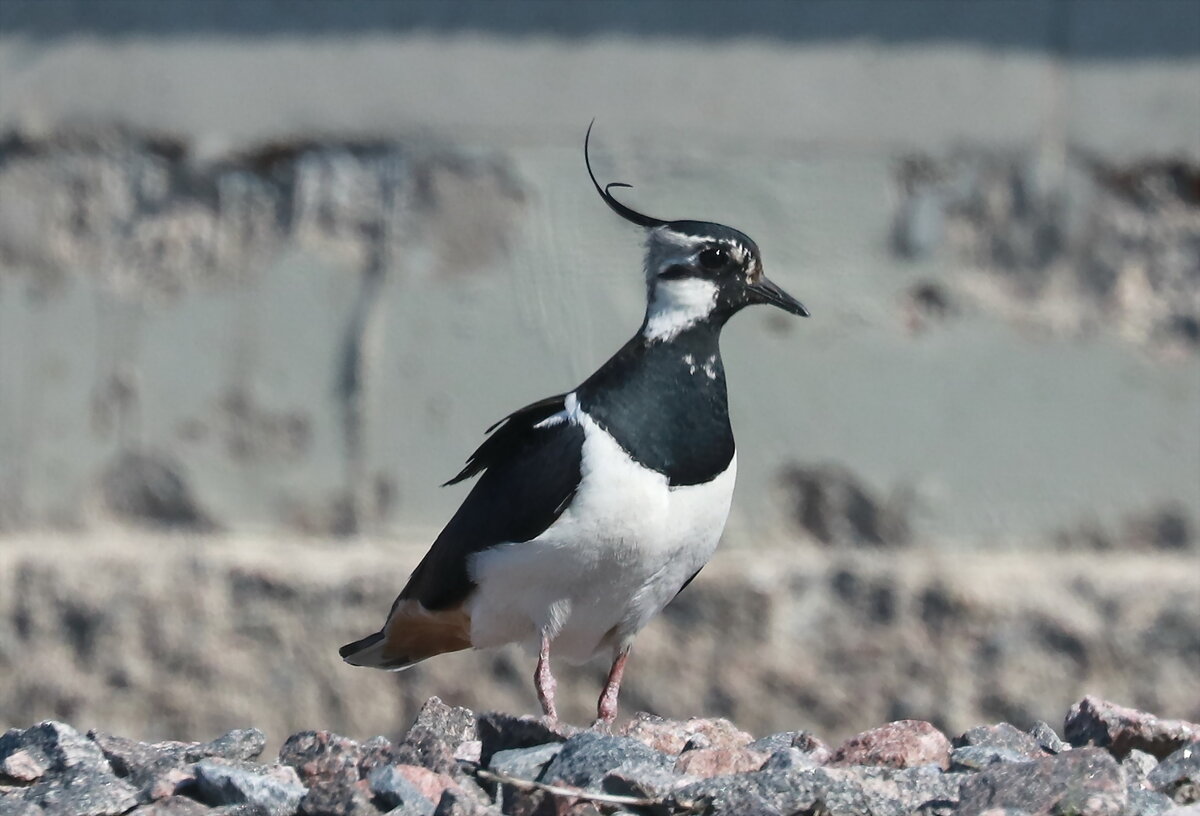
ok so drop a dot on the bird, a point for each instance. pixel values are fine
(596, 507)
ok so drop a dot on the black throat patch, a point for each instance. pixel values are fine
(666, 405)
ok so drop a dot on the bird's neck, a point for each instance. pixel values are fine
(665, 403)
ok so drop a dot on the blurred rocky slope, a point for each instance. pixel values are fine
(176, 637)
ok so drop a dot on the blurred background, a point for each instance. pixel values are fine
(267, 271)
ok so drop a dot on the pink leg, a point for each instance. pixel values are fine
(545, 682)
(606, 709)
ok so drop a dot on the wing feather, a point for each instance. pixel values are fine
(531, 470)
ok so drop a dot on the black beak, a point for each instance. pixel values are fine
(766, 291)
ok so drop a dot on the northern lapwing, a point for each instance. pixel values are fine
(596, 507)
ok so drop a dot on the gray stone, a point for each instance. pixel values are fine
(78, 779)
(638, 779)
(1137, 764)
(499, 732)
(174, 806)
(766, 792)
(145, 764)
(457, 803)
(393, 790)
(525, 763)
(1004, 736)
(1088, 780)
(790, 759)
(1048, 738)
(1144, 802)
(804, 741)
(884, 791)
(277, 791)
(586, 758)
(11, 804)
(1178, 776)
(978, 757)
(1093, 721)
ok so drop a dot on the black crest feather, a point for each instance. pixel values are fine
(620, 209)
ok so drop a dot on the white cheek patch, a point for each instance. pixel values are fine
(676, 304)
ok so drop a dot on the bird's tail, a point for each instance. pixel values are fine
(412, 634)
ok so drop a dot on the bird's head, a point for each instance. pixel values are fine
(696, 271)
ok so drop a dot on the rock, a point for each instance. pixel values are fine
(587, 757)
(524, 763)
(653, 783)
(1086, 781)
(885, 791)
(761, 793)
(430, 784)
(376, 753)
(790, 759)
(803, 741)
(1093, 721)
(457, 803)
(168, 783)
(275, 790)
(498, 732)
(1002, 736)
(21, 767)
(1149, 803)
(978, 757)
(1047, 738)
(174, 806)
(709, 762)
(436, 736)
(1178, 776)
(77, 779)
(469, 751)
(1137, 764)
(14, 805)
(673, 736)
(328, 765)
(156, 768)
(901, 744)
(392, 789)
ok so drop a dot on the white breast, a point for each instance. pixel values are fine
(615, 557)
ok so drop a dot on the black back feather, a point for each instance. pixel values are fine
(530, 475)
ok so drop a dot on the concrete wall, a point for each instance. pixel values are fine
(266, 270)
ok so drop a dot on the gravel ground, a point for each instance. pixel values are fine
(1109, 760)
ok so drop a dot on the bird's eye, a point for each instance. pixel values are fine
(714, 258)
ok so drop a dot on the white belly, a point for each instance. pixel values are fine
(615, 557)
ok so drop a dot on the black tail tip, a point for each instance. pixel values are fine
(358, 645)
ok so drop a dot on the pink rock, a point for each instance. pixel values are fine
(22, 766)
(670, 736)
(430, 783)
(709, 762)
(901, 744)
(166, 785)
(1093, 721)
